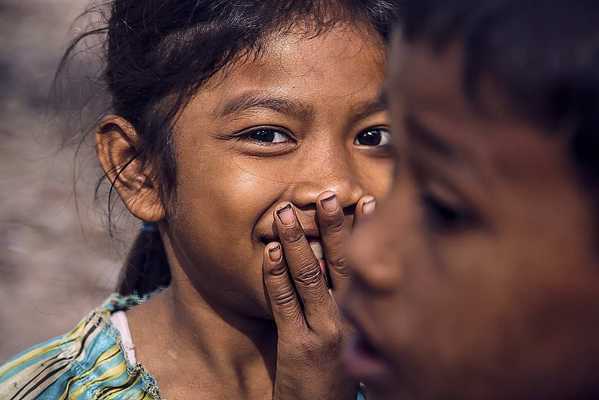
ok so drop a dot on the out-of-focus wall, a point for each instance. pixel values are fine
(55, 264)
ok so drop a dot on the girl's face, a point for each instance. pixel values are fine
(302, 118)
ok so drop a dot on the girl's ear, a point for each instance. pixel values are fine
(117, 146)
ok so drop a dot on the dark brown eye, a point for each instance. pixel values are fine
(270, 136)
(373, 137)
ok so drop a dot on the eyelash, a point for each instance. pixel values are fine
(247, 136)
(274, 131)
(382, 130)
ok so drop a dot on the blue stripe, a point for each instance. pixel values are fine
(91, 379)
(101, 343)
(35, 360)
(55, 390)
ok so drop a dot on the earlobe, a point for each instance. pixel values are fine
(118, 150)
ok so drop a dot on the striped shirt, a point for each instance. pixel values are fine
(88, 363)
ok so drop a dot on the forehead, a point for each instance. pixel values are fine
(429, 85)
(430, 79)
(320, 64)
(426, 86)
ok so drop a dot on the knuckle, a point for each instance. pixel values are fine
(335, 225)
(332, 341)
(309, 275)
(339, 264)
(309, 348)
(291, 235)
(284, 297)
(335, 335)
(323, 347)
(278, 269)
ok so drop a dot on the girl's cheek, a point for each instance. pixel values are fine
(377, 176)
(271, 171)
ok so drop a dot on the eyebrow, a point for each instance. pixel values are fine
(427, 138)
(384, 96)
(367, 108)
(280, 105)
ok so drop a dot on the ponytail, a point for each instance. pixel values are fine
(146, 268)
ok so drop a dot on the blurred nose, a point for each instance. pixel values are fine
(375, 249)
(327, 173)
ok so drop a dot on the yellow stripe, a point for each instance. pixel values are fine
(108, 355)
(25, 358)
(111, 373)
(113, 393)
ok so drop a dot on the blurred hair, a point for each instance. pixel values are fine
(158, 53)
(544, 55)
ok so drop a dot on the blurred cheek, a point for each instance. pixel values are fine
(377, 177)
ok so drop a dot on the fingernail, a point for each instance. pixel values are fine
(329, 203)
(369, 206)
(275, 254)
(286, 216)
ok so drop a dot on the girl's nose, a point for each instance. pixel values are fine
(334, 174)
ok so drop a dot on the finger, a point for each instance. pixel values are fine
(284, 302)
(334, 236)
(304, 267)
(366, 206)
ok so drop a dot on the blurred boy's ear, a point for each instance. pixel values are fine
(117, 146)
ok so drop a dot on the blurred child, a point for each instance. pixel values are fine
(479, 277)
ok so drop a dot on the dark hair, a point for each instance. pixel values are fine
(545, 55)
(158, 53)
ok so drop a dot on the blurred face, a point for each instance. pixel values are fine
(476, 279)
(301, 118)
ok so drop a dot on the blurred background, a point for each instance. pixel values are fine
(57, 261)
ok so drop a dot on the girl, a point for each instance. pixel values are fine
(248, 136)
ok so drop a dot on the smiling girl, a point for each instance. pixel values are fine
(248, 137)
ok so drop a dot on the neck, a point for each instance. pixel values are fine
(192, 348)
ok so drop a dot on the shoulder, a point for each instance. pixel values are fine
(86, 363)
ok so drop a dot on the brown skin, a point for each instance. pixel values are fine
(211, 333)
(477, 278)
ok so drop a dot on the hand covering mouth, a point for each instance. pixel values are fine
(307, 220)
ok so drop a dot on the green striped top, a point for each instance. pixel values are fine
(87, 363)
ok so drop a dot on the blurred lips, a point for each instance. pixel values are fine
(361, 359)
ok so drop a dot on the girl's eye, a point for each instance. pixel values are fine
(267, 136)
(442, 216)
(373, 137)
